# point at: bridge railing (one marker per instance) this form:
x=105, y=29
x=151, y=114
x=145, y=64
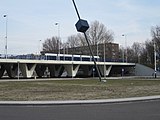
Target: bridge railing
x=65, y=57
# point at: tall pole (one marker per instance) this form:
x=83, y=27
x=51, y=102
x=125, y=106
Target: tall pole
x=99, y=75
x=155, y=64
x=58, y=41
x=104, y=59
x=155, y=60
x=6, y=47
x=97, y=49
x=84, y=32
x=39, y=47
x=125, y=36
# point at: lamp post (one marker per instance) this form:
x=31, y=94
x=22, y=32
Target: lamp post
x=57, y=24
x=125, y=46
x=155, y=56
x=155, y=64
x=39, y=47
x=97, y=48
x=104, y=59
x=58, y=40
x=5, y=16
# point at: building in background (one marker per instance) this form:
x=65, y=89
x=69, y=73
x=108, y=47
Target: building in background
x=110, y=50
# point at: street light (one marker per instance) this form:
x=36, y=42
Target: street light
x=155, y=64
x=5, y=16
x=39, y=47
x=58, y=41
x=155, y=60
x=104, y=59
x=125, y=46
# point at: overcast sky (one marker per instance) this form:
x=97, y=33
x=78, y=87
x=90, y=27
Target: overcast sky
x=30, y=21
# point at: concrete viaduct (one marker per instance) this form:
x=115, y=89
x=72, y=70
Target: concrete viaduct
x=29, y=68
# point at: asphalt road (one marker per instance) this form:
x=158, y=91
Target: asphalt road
x=148, y=110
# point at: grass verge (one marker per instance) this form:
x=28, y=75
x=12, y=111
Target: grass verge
x=77, y=89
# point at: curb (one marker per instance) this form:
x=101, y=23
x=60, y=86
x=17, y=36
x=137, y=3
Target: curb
x=79, y=102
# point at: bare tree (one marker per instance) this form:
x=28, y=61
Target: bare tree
x=155, y=32
x=144, y=56
x=97, y=33
x=51, y=45
x=150, y=51
x=82, y=39
x=137, y=50
x=144, y=53
x=73, y=41
x=130, y=55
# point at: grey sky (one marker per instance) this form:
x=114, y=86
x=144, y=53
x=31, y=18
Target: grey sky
x=32, y=20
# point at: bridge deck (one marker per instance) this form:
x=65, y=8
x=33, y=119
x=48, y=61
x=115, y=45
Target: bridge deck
x=55, y=68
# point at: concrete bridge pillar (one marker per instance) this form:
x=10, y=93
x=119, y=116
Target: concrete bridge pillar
x=27, y=69
x=40, y=69
x=2, y=69
x=87, y=70
x=11, y=70
x=105, y=70
x=71, y=70
x=56, y=70
x=108, y=70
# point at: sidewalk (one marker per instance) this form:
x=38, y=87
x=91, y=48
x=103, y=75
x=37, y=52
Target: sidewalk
x=75, y=102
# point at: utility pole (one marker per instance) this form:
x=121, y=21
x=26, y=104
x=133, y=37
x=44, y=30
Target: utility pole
x=6, y=37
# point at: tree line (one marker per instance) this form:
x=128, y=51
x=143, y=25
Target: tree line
x=98, y=34
x=143, y=53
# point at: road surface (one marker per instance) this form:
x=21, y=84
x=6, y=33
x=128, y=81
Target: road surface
x=146, y=110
